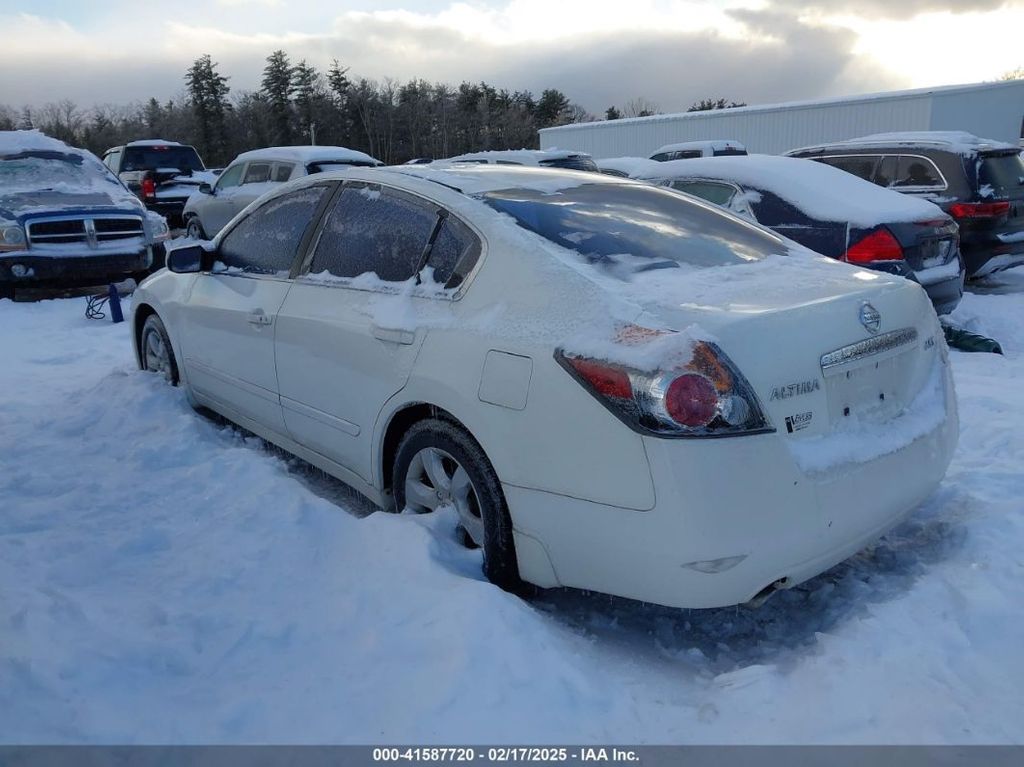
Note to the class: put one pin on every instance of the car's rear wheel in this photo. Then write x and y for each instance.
(157, 352)
(194, 229)
(439, 465)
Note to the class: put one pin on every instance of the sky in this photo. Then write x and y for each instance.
(668, 52)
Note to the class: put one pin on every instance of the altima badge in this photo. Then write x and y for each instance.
(870, 317)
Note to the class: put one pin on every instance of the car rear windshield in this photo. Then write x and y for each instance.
(572, 163)
(1004, 173)
(323, 166)
(634, 227)
(154, 157)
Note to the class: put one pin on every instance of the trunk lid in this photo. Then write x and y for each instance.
(820, 346)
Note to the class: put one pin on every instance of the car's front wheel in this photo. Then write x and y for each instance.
(194, 229)
(439, 465)
(157, 352)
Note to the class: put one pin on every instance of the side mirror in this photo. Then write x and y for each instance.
(189, 259)
(205, 188)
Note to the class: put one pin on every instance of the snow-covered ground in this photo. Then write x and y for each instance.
(167, 579)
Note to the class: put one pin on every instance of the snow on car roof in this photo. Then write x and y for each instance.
(960, 142)
(307, 154)
(516, 156)
(479, 179)
(17, 141)
(154, 142)
(821, 191)
(713, 145)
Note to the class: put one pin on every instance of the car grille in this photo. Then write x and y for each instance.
(92, 231)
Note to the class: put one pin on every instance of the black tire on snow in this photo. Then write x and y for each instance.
(500, 565)
(198, 225)
(154, 324)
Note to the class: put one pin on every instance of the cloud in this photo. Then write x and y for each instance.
(698, 50)
(902, 9)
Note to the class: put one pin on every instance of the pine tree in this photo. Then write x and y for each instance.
(277, 89)
(208, 92)
(612, 113)
(552, 109)
(307, 89)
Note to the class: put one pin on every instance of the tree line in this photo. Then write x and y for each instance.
(298, 104)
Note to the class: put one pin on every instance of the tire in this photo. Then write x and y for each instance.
(6, 291)
(491, 526)
(156, 352)
(194, 228)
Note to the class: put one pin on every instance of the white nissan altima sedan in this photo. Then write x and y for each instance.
(617, 387)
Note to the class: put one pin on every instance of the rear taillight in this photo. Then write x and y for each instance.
(974, 210)
(880, 245)
(706, 397)
(148, 187)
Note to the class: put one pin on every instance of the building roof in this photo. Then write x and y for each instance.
(792, 105)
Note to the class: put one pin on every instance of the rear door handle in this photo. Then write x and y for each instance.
(259, 317)
(394, 335)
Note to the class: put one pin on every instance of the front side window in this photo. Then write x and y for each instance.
(373, 231)
(267, 240)
(633, 228)
(231, 177)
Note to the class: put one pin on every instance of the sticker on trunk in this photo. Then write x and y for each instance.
(798, 421)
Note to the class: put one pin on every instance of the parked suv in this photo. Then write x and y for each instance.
(544, 158)
(66, 220)
(162, 173)
(979, 182)
(254, 173)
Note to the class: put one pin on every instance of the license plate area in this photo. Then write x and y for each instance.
(872, 390)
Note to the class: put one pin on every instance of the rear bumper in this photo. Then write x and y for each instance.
(171, 209)
(946, 294)
(739, 506)
(70, 271)
(987, 258)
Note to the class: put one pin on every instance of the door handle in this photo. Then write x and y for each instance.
(259, 317)
(394, 335)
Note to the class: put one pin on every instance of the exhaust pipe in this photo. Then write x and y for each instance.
(767, 592)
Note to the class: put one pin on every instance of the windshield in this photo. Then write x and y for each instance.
(1004, 173)
(633, 227)
(41, 171)
(154, 157)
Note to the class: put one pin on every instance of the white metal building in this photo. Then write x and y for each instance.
(990, 110)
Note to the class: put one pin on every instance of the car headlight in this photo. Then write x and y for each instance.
(159, 230)
(12, 237)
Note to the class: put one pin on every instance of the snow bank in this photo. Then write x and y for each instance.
(167, 579)
(823, 192)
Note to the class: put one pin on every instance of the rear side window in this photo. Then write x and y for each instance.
(914, 172)
(282, 171)
(111, 160)
(267, 240)
(719, 194)
(454, 253)
(257, 173)
(372, 231)
(859, 165)
(1003, 173)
